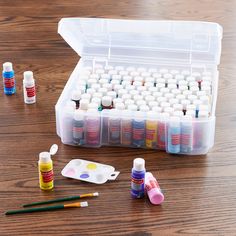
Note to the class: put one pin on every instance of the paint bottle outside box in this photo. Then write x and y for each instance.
(29, 88)
(138, 178)
(8, 75)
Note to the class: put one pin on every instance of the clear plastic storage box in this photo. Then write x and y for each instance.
(141, 83)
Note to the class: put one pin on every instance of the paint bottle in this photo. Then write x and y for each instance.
(76, 96)
(173, 141)
(78, 127)
(104, 129)
(92, 130)
(186, 139)
(151, 129)
(153, 189)
(161, 132)
(126, 128)
(9, 83)
(106, 102)
(138, 129)
(138, 178)
(29, 88)
(66, 126)
(114, 127)
(45, 168)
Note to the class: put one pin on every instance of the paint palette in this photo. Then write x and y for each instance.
(88, 171)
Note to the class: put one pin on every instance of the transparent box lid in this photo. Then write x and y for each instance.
(185, 42)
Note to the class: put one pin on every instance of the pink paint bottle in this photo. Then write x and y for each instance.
(153, 190)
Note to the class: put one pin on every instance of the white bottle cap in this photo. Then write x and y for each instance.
(134, 73)
(174, 72)
(102, 81)
(169, 110)
(126, 96)
(128, 102)
(157, 75)
(201, 93)
(86, 96)
(144, 108)
(167, 76)
(100, 71)
(149, 98)
(149, 79)
(183, 88)
(107, 86)
(44, 157)
(185, 102)
(190, 79)
(119, 68)
(105, 77)
(139, 164)
(117, 100)
(205, 100)
(191, 113)
(161, 99)
(53, 149)
(137, 83)
(169, 96)
(83, 104)
(194, 89)
(159, 86)
(145, 74)
(165, 104)
(141, 88)
(92, 106)
(197, 103)
(130, 68)
(175, 91)
(123, 73)
(137, 97)
(172, 81)
(103, 91)
(78, 115)
(28, 75)
(95, 77)
(133, 93)
(149, 85)
(173, 101)
(130, 87)
(179, 77)
(117, 87)
(106, 101)
(164, 90)
(97, 95)
(120, 106)
(191, 97)
(138, 78)
(7, 66)
(71, 104)
(191, 107)
(182, 82)
(111, 94)
(153, 104)
(171, 86)
(185, 72)
(187, 92)
(116, 77)
(140, 102)
(153, 89)
(177, 107)
(132, 107)
(96, 100)
(112, 72)
(180, 97)
(75, 95)
(157, 109)
(108, 67)
(178, 113)
(90, 91)
(127, 78)
(157, 94)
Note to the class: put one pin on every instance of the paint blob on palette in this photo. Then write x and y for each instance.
(89, 171)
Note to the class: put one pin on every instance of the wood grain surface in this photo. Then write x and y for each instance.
(200, 191)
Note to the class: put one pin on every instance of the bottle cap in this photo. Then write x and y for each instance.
(53, 149)
(93, 106)
(76, 95)
(7, 66)
(132, 107)
(78, 115)
(44, 157)
(155, 195)
(139, 164)
(28, 75)
(120, 106)
(106, 101)
(144, 108)
(83, 105)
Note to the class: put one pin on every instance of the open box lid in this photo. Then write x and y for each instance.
(187, 42)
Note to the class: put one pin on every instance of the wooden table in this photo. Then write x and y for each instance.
(200, 191)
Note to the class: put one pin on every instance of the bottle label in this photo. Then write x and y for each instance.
(175, 139)
(93, 132)
(138, 134)
(137, 184)
(31, 92)
(151, 184)
(9, 82)
(161, 135)
(47, 176)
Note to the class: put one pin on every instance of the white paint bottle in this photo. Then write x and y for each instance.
(29, 88)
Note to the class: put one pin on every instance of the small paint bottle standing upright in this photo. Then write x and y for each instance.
(29, 88)
(45, 167)
(138, 178)
(8, 79)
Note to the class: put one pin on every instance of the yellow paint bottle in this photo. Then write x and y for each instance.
(151, 130)
(45, 167)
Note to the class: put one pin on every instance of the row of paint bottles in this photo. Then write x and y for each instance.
(9, 83)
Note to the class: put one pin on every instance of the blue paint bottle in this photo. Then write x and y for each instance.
(174, 135)
(138, 178)
(8, 79)
(138, 130)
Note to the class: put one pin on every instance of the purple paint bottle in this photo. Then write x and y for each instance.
(138, 178)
